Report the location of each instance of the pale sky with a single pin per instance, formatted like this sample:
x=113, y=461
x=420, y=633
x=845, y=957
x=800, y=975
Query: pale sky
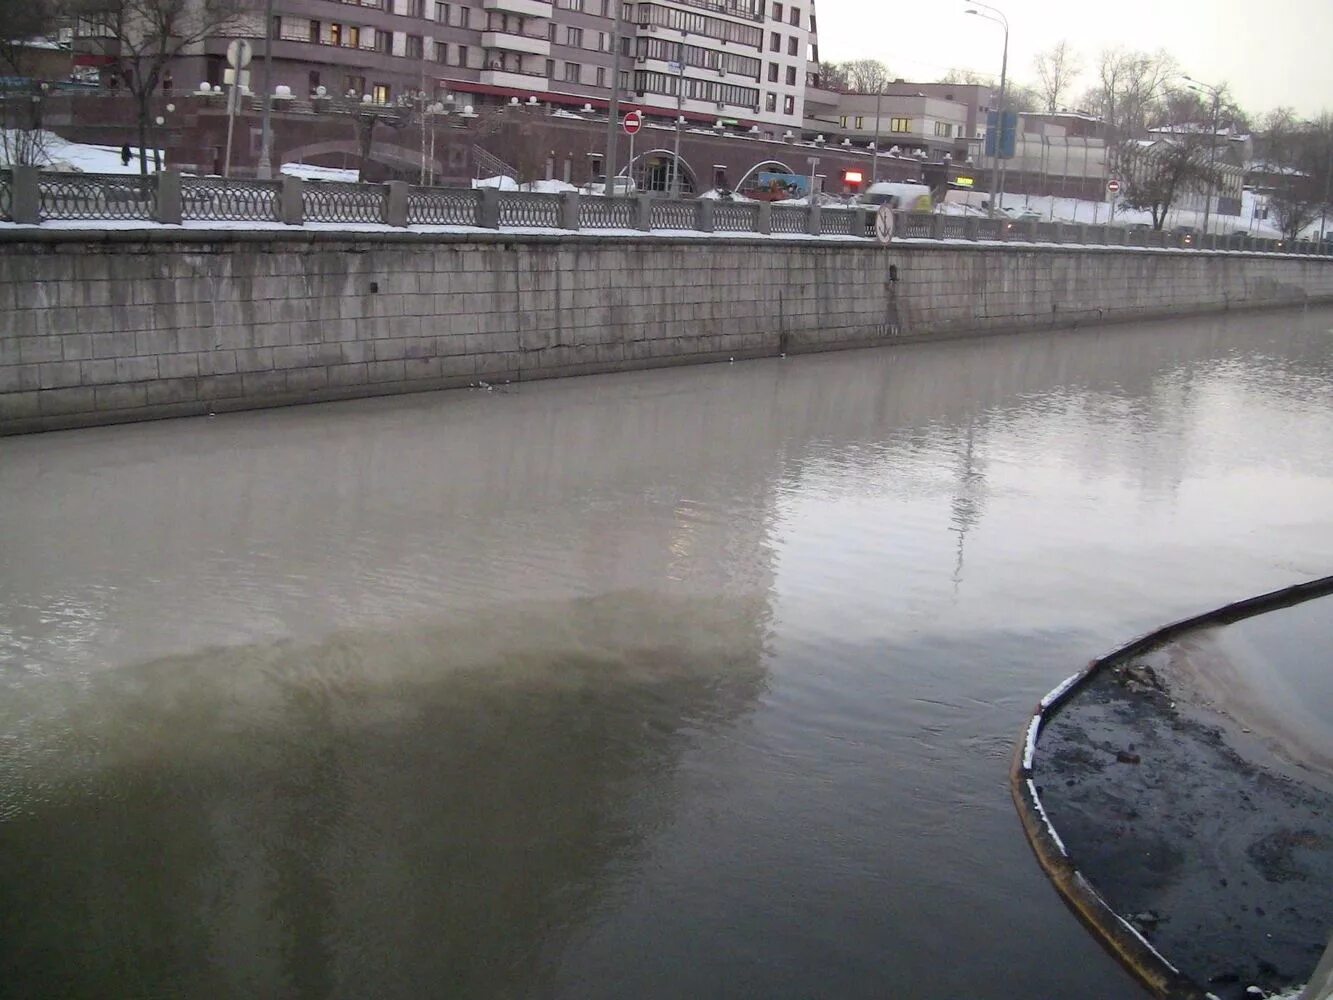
x=1271, y=53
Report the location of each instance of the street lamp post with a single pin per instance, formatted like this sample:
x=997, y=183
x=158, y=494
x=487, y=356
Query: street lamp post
x=1216, y=94
x=680, y=118
x=996, y=181
x=874, y=149
x=264, y=169
x=613, y=105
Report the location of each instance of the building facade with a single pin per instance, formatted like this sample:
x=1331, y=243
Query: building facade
x=744, y=61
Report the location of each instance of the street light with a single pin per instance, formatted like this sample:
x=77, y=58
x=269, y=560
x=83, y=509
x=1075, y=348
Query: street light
x=1216, y=94
x=994, y=14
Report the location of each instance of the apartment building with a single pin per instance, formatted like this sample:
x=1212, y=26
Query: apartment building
x=738, y=60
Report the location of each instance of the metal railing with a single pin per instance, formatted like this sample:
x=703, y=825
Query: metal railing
x=31, y=196
x=334, y=201
x=104, y=197
x=428, y=206
x=213, y=199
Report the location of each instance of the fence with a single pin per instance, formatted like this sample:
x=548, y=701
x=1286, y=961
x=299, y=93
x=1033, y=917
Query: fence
x=32, y=197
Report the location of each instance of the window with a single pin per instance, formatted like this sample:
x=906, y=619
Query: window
x=414, y=47
x=294, y=29
x=442, y=13
x=441, y=52
x=774, y=42
x=416, y=8
x=900, y=125
x=771, y=102
x=463, y=13
x=356, y=85
x=315, y=32
x=574, y=37
x=570, y=4
x=381, y=93
x=789, y=105
x=793, y=46
x=601, y=76
x=462, y=55
x=335, y=34
x=795, y=17
x=777, y=12
x=603, y=42
x=860, y=121
x=791, y=76
x=573, y=71
x=550, y=69
x=842, y=121
x=944, y=130
x=772, y=72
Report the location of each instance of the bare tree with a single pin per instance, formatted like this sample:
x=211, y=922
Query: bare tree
x=143, y=37
x=1298, y=155
x=1057, y=68
x=1129, y=89
x=22, y=95
x=1155, y=176
x=1296, y=203
x=834, y=76
x=867, y=76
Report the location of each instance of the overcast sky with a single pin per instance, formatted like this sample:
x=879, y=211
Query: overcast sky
x=1276, y=52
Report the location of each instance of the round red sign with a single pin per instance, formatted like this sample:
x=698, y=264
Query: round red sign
x=633, y=122
x=1113, y=186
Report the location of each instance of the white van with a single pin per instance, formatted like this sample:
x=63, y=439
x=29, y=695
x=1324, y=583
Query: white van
x=903, y=197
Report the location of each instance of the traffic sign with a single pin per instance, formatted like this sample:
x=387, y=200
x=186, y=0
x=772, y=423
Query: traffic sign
x=884, y=223
x=1113, y=186
x=238, y=53
x=633, y=122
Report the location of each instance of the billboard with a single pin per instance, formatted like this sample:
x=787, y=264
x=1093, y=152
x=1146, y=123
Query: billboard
x=1008, y=135
x=773, y=185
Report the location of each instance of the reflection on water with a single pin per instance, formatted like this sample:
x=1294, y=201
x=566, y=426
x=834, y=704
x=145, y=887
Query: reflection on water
x=685, y=683
x=430, y=811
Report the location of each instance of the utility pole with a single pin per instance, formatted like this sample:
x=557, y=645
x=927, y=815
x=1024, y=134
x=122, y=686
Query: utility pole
x=874, y=150
x=613, y=106
x=997, y=173
x=264, y=169
x=1216, y=94
x=680, y=118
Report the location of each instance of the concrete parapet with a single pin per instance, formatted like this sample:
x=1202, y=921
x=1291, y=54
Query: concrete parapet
x=170, y=321
x=291, y=204
x=395, y=203
x=169, y=198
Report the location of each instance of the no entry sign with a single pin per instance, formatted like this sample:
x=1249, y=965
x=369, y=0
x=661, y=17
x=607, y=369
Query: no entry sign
x=1113, y=186
x=633, y=122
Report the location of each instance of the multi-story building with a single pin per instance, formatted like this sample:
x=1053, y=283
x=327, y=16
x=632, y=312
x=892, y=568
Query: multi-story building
x=738, y=60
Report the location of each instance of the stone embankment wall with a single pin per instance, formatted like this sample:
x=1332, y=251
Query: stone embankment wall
x=111, y=326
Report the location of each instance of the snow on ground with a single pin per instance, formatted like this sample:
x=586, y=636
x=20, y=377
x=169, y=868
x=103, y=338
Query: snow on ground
x=548, y=187
x=502, y=182
x=312, y=172
x=1250, y=220
x=79, y=156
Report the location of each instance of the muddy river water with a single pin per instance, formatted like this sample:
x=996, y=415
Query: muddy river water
x=688, y=683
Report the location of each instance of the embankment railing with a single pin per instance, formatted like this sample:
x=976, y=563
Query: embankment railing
x=32, y=197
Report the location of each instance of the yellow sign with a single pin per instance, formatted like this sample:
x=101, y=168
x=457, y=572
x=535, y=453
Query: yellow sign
x=966, y=182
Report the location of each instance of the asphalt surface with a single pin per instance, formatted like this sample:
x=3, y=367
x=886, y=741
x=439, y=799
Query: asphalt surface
x=1224, y=864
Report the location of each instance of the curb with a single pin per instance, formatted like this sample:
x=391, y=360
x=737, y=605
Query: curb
x=1130, y=948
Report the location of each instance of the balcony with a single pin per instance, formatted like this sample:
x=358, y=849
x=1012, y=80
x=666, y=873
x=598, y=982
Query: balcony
x=527, y=8
x=532, y=83
x=527, y=44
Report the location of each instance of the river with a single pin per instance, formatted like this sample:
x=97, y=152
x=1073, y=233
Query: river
x=688, y=683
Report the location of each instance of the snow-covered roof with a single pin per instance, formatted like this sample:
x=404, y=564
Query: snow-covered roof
x=1193, y=128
